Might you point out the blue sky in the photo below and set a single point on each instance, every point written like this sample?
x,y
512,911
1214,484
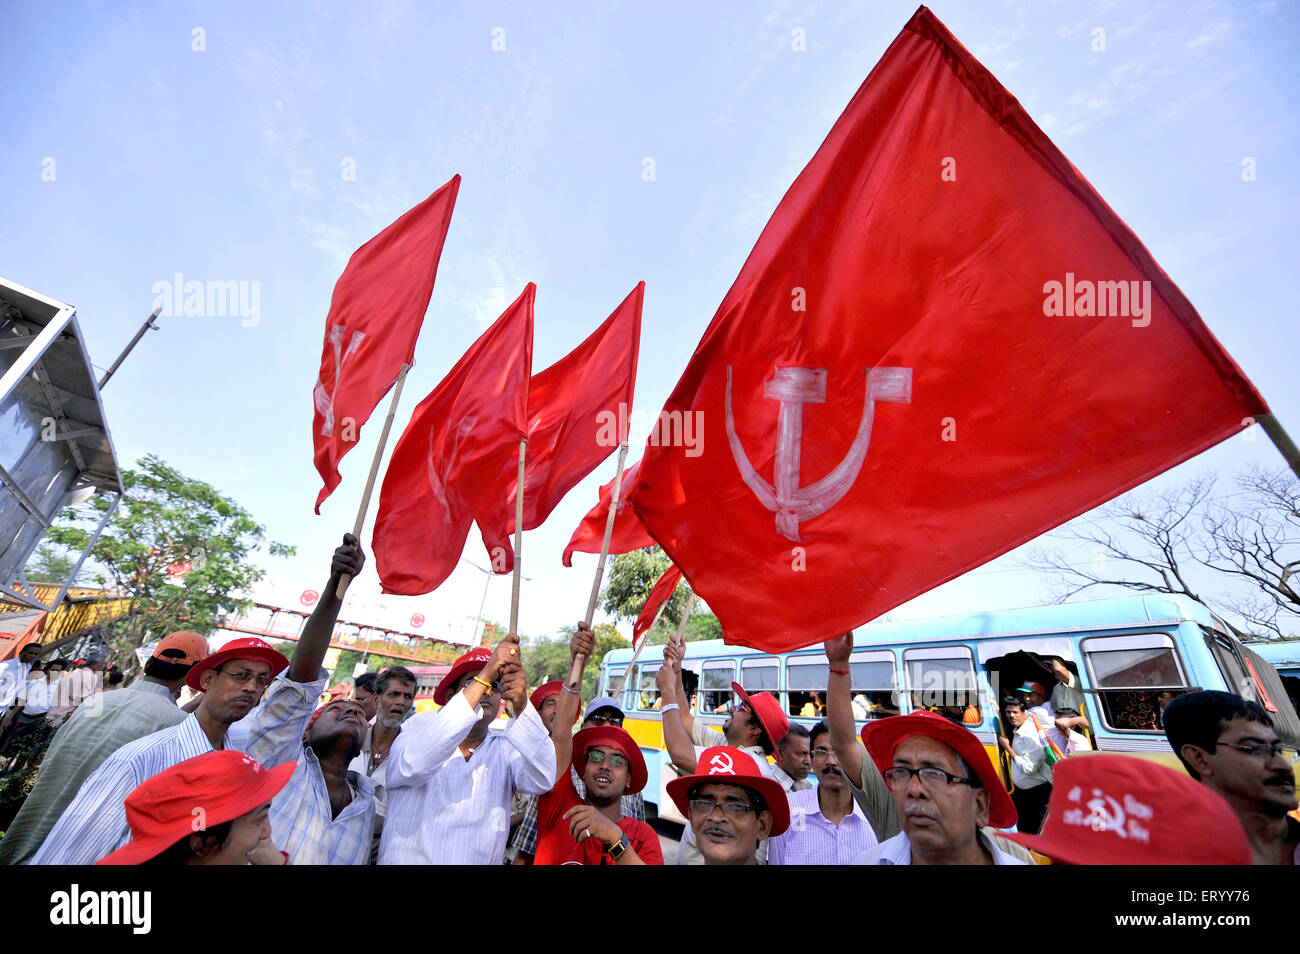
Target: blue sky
x,y
227,163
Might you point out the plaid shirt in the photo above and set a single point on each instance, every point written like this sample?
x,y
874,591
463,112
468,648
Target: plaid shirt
x,y
302,820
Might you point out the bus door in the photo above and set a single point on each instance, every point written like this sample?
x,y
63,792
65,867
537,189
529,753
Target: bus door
x,y
1010,664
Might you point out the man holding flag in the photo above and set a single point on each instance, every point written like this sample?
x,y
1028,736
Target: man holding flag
x,y
1031,773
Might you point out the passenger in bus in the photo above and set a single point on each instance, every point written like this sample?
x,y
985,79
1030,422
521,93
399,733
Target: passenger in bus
x,y
1229,745
1034,697
1119,810
861,772
1163,698
590,828
1071,723
1030,773
1066,694
945,790
827,827
751,728
794,760
732,806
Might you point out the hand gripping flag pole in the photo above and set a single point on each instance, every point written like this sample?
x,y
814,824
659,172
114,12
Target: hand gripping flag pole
x,y
346,578
678,637
580,660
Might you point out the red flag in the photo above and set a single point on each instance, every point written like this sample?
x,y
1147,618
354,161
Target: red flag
x,y
374,318
450,454
912,373
628,533
660,594
577,414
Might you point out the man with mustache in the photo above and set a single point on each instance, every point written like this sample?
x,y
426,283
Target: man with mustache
x,y
1228,744
363,690
231,680
826,825
450,783
793,766
732,806
878,800
391,697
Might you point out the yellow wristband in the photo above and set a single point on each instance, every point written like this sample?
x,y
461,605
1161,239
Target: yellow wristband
x,y
484,683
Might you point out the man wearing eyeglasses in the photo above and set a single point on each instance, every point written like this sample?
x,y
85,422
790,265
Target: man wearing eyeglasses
x,y
1229,745
826,825
232,680
733,808
590,827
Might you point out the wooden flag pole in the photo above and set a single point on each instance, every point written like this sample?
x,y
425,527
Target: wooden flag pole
x,y
1281,440
345,579
519,557
580,661
636,653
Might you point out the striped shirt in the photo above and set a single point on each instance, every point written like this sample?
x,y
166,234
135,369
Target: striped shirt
x,y
95,823
812,840
898,851
93,733
302,819
446,809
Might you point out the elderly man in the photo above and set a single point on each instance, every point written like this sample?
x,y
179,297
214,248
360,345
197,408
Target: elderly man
x,y
869,789
732,806
826,825
1229,745
93,733
450,783
754,727
945,789
394,695
793,760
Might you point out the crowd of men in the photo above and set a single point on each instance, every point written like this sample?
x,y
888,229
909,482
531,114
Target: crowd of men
x,y
258,772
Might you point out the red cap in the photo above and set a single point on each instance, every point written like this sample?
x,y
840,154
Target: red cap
x,y
619,739
1033,687
215,787
183,647
544,692
884,735
1118,810
249,647
472,661
728,766
770,714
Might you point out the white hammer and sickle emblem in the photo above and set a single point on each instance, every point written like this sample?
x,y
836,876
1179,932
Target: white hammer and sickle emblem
x,y
325,400
793,388
721,764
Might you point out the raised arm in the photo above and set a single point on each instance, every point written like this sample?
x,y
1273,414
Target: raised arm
x,y
309,654
677,650
676,739
839,707
582,644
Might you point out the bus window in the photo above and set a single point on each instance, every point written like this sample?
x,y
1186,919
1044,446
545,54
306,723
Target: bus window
x,y
759,675
805,677
613,678
715,686
874,684
647,687
1131,674
942,680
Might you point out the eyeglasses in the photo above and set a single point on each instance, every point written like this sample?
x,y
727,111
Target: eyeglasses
x,y
703,807
1265,750
605,720
900,776
244,675
821,752
613,758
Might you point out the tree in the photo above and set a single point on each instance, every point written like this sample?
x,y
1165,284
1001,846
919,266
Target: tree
x,y
51,564
698,626
176,546
547,659
1239,552
631,578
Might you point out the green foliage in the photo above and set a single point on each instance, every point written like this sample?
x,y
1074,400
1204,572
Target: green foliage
x,y
631,578
547,659
50,564
166,519
699,626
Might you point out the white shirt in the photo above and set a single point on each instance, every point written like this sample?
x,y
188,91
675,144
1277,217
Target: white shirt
x,y
898,851
38,695
13,682
444,809
812,840
1046,717
1029,768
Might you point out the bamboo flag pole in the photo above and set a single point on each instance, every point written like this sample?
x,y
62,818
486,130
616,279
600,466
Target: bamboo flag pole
x,y
580,661
345,579
519,556
1281,440
677,637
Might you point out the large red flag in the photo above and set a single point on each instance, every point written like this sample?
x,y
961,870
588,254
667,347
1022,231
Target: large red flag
x,y
577,413
662,591
628,534
943,344
374,318
450,454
